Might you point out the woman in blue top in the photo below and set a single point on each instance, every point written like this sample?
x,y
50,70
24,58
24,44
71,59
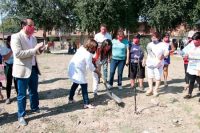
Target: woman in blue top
x,y
120,57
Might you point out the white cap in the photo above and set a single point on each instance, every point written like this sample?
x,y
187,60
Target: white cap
x,y
191,33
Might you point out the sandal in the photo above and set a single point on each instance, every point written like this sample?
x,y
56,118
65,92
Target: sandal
x,y
149,93
88,106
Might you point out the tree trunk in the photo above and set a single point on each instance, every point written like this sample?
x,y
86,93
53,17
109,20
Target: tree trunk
x,y
45,39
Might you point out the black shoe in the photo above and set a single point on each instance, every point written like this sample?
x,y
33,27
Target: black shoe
x,y
36,111
95,95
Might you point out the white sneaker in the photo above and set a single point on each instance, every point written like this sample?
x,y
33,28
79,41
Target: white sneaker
x,y
120,87
109,86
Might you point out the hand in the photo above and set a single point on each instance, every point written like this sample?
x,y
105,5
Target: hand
x,y
108,60
127,62
38,46
143,63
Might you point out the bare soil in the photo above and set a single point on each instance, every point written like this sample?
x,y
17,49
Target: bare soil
x,y
168,113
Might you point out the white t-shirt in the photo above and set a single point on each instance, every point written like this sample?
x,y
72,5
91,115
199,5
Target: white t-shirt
x,y
99,37
79,64
194,58
155,51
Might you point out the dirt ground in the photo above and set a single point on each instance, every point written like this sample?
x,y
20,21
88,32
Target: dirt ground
x,y
168,113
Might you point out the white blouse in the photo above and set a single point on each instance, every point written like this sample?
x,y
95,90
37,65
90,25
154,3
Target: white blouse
x,y
79,64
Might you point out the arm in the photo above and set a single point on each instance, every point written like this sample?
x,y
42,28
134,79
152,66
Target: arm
x,y
127,55
18,50
7,56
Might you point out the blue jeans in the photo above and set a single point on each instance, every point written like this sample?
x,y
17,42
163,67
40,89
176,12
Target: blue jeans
x,y
32,84
105,68
113,65
84,92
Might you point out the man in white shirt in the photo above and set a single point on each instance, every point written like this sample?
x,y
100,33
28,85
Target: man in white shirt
x,y
102,35
25,69
99,38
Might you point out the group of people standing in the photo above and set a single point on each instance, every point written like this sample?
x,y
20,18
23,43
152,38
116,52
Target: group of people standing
x,y
119,51
95,54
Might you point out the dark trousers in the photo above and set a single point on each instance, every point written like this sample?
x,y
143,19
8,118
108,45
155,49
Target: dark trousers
x,y
113,65
192,79
84,92
9,77
186,74
32,84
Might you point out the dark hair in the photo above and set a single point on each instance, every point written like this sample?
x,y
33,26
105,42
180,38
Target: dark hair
x,y
8,39
196,36
137,36
24,22
166,34
156,34
103,25
105,43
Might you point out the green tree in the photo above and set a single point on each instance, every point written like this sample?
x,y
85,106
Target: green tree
x,y
115,13
165,14
9,25
47,14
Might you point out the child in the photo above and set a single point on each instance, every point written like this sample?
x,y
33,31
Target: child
x,y
137,64
102,57
156,51
166,41
77,70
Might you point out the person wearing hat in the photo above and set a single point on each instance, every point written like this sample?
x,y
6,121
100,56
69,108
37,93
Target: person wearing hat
x,y
166,42
137,63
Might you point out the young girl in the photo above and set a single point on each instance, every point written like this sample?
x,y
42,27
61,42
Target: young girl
x,y
77,70
156,51
102,57
137,68
166,41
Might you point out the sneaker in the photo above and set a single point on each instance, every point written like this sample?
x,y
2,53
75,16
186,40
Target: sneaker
x,y
149,93
8,101
109,86
120,87
71,101
88,106
22,121
188,96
